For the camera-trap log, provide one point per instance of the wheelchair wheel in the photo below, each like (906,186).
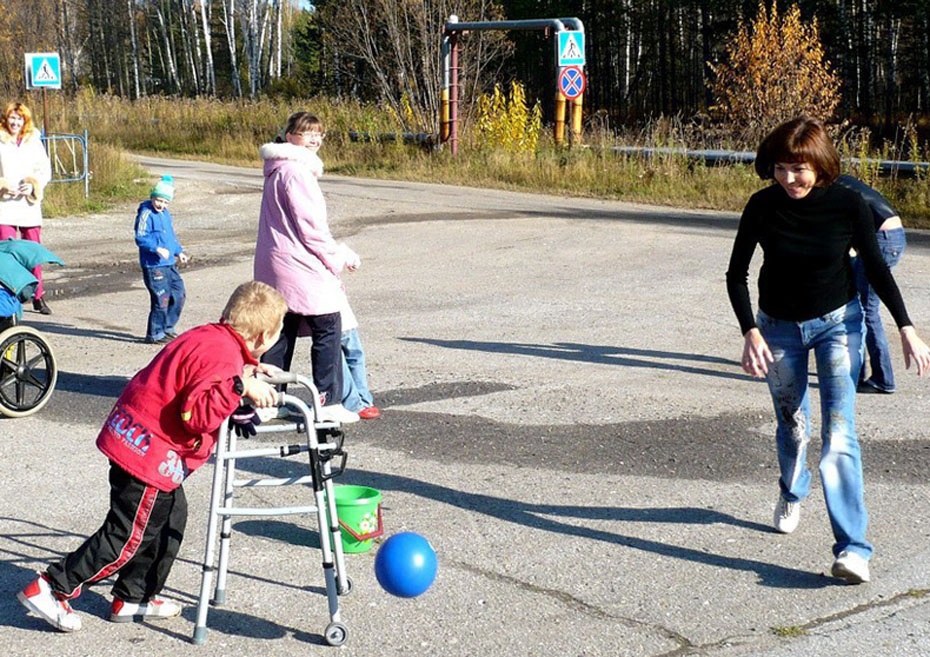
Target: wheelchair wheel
(27,371)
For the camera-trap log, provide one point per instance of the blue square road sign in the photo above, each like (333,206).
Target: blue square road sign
(43,70)
(571,48)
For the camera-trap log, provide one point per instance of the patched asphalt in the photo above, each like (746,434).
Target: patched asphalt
(563,417)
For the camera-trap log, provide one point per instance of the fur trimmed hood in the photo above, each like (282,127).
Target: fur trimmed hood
(7,138)
(275,154)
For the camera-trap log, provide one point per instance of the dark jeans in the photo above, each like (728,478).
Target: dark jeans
(139,540)
(892,243)
(325,352)
(166,298)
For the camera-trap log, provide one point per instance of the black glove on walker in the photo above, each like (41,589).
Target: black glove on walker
(244,420)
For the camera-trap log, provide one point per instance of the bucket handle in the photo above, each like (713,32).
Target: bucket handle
(370,535)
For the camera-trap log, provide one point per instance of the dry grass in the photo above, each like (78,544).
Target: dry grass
(231,133)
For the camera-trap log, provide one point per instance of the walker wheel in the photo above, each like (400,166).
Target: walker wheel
(27,371)
(336,634)
(348,587)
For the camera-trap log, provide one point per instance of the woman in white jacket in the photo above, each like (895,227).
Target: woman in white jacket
(24,172)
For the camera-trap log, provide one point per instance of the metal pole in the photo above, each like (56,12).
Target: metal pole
(45,115)
(559,127)
(86,166)
(577,123)
(454,94)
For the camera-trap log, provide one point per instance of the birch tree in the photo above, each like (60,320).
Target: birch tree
(209,71)
(134,53)
(391,51)
(229,25)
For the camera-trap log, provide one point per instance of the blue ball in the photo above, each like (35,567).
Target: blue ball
(405,565)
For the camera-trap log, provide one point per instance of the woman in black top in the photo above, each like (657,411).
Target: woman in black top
(806,226)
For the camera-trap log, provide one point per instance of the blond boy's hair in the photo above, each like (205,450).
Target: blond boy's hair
(253,309)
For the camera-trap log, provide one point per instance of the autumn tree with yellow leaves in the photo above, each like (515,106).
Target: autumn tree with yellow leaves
(774,70)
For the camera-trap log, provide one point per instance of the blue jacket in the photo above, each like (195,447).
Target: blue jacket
(154,230)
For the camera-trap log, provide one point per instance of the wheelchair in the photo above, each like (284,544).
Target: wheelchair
(28,372)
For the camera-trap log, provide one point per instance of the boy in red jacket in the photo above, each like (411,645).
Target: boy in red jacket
(163,427)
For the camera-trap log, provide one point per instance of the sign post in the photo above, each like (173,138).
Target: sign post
(43,71)
(569,53)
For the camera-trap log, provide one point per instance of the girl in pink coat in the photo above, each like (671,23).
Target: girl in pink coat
(296,254)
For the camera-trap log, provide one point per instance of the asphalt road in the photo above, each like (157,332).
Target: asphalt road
(564,419)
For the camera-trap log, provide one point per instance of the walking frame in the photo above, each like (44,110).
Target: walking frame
(323,445)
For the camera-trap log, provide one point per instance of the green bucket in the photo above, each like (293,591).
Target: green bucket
(359,511)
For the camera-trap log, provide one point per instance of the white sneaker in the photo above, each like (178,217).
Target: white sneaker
(39,598)
(787,515)
(338,413)
(274,413)
(154,609)
(852,567)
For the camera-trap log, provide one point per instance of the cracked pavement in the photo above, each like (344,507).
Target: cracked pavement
(564,419)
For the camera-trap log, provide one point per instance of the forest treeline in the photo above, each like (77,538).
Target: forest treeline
(645,58)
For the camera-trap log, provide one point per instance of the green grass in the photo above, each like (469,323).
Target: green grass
(231,132)
(114,179)
(790,632)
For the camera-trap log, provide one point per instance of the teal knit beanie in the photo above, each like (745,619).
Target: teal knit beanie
(164,189)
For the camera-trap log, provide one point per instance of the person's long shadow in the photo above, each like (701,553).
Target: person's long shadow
(547,517)
(32,540)
(20,547)
(102,334)
(93,385)
(597,354)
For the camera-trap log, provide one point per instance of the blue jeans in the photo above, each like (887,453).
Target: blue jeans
(355,392)
(891,243)
(166,296)
(836,340)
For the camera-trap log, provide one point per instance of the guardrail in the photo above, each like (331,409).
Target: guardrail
(716,157)
(69,157)
(708,157)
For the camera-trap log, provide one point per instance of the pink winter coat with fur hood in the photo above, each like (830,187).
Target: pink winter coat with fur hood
(295,252)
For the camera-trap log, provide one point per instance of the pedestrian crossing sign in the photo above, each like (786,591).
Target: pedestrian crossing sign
(571,48)
(43,70)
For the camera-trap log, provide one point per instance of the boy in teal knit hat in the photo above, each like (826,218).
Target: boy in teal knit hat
(159,253)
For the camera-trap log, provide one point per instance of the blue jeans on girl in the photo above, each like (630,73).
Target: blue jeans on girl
(355,392)
(836,340)
(891,243)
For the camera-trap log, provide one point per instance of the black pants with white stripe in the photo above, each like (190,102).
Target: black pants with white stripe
(138,541)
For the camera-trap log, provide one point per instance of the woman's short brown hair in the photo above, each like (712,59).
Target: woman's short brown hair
(799,140)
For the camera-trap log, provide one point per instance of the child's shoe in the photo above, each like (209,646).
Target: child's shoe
(369,413)
(39,598)
(338,413)
(156,608)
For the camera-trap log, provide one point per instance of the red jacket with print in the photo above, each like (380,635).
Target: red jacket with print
(165,423)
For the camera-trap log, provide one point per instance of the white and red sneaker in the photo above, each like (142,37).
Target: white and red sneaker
(39,598)
(155,609)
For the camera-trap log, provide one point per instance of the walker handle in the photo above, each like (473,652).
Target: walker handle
(279,377)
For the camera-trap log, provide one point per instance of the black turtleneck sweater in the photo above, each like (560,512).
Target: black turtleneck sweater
(806,270)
